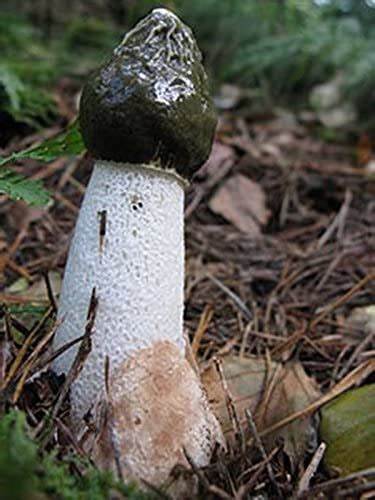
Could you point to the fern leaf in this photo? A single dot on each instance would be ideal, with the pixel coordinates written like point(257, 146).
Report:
point(18, 187)
point(12, 86)
point(68, 143)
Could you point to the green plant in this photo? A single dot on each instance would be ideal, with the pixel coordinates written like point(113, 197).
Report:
point(17, 187)
point(26, 473)
point(279, 49)
point(28, 68)
point(25, 68)
point(67, 143)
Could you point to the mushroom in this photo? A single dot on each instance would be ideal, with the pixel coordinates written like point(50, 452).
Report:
point(147, 118)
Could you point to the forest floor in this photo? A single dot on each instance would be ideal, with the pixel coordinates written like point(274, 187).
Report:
point(280, 254)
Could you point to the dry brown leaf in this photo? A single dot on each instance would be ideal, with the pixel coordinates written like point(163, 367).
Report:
point(22, 214)
point(293, 391)
point(363, 319)
point(245, 378)
point(221, 156)
point(355, 377)
point(242, 202)
point(271, 392)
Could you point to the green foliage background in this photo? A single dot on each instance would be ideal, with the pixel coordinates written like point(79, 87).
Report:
point(279, 49)
point(283, 48)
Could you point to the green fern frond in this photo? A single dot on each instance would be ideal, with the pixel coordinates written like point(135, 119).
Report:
point(67, 143)
point(18, 187)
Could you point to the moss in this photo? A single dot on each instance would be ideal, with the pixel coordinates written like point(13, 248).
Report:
point(151, 101)
point(27, 474)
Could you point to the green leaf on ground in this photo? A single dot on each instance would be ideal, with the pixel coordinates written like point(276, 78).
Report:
point(18, 187)
point(348, 429)
point(67, 143)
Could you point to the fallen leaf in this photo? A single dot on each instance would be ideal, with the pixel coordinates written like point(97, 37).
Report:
point(22, 214)
point(363, 319)
point(292, 392)
point(221, 156)
point(245, 378)
point(271, 392)
point(242, 202)
point(348, 428)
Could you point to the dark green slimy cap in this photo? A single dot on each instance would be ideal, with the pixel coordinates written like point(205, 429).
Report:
point(150, 102)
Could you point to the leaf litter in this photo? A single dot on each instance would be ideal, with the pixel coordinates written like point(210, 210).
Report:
point(242, 202)
point(278, 295)
point(270, 391)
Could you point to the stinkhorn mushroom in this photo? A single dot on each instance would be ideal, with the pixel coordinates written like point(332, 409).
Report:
point(147, 118)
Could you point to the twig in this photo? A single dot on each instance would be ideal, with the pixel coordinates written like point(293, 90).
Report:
point(241, 306)
point(61, 351)
point(258, 441)
point(311, 469)
point(29, 363)
point(204, 321)
point(357, 351)
point(362, 371)
point(83, 352)
point(338, 221)
point(75, 369)
point(202, 478)
point(258, 469)
point(198, 472)
point(335, 483)
point(4, 344)
point(341, 300)
point(357, 490)
point(22, 352)
point(109, 421)
point(238, 431)
point(50, 294)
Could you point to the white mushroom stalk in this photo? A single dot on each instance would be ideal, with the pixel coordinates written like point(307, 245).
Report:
point(147, 118)
point(129, 246)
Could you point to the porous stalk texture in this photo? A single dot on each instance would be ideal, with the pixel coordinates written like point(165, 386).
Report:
point(128, 244)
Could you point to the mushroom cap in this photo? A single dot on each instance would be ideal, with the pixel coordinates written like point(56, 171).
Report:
point(150, 102)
